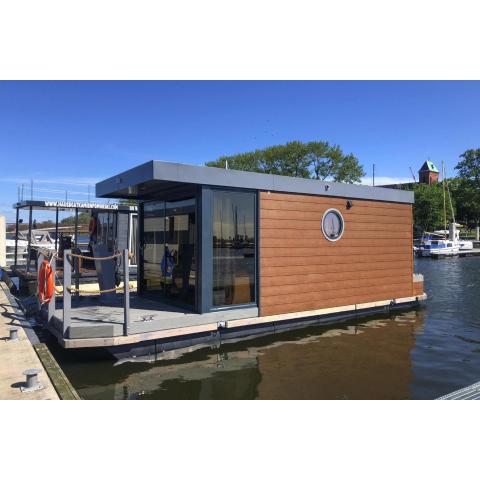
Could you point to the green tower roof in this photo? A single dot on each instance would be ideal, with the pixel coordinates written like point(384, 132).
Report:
point(429, 166)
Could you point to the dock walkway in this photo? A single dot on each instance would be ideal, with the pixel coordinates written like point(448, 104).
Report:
point(468, 393)
point(18, 356)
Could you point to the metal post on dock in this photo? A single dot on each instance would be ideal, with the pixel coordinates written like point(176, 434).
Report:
point(67, 298)
point(51, 304)
point(126, 293)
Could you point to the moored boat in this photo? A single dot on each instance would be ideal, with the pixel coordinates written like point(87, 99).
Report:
point(442, 248)
point(22, 247)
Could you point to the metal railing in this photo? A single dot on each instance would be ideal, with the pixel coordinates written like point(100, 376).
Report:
point(67, 282)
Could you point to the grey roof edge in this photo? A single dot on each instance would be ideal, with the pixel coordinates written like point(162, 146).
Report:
point(135, 175)
point(184, 173)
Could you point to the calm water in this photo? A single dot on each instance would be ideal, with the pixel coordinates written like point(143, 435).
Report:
point(419, 354)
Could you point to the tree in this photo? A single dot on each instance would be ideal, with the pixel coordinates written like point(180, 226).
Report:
point(249, 161)
point(467, 200)
point(428, 207)
point(289, 159)
point(347, 170)
point(323, 159)
point(469, 167)
point(469, 185)
point(317, 160)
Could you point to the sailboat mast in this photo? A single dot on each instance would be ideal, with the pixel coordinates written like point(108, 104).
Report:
point(444, 202)
point(450, 200)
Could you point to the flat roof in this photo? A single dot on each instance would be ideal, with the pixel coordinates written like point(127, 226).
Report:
point(68, 205)
point(155, 175)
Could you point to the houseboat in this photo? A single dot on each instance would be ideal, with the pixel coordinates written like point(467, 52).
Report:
point(225, 253)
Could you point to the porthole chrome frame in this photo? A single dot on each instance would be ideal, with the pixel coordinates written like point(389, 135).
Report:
point(334, 210)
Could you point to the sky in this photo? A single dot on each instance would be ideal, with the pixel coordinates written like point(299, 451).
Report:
point(68, 135)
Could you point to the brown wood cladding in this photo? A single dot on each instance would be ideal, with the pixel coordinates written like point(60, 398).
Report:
point(300, 270)
point(417, 288)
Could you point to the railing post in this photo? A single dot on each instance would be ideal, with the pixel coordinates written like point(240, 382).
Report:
point(126, 293)
point(51, 305)
point(67, 298)
point(38, 260)
point(76, 273)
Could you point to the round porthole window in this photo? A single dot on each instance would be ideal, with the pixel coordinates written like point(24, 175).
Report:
point(332, 225)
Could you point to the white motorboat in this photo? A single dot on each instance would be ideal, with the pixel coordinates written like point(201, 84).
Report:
point(464, 245)
point(443, 247)
point(38, 238)
point(22, 246)
point(42, 239)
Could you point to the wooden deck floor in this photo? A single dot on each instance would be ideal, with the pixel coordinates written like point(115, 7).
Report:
point(90, 318)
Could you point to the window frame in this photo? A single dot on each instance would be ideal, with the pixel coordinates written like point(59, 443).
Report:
point(342, 221)
point(209, 225)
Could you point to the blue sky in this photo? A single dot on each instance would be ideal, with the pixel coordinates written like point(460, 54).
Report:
point(66, 135)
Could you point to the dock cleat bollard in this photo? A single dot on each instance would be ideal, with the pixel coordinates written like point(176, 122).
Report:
point(32, 381)
point(13, 334)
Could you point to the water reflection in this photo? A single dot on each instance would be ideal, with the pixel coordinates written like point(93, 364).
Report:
point(364, 360)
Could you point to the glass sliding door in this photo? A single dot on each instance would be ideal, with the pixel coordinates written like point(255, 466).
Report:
point(179, 263)
point(153, 245)
point(133, 240)
point(233, 248)
point(169, 263)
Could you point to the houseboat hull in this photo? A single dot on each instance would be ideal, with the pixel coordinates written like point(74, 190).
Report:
point(150, 344)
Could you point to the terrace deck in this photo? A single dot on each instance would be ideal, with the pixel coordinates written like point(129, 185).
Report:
point(92, 318)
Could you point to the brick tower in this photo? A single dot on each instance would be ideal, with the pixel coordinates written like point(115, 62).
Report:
point(428, 173)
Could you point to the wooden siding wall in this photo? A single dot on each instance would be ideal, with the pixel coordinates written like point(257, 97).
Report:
point(300, 270)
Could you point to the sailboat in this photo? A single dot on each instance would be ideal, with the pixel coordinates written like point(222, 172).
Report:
point(447, 246)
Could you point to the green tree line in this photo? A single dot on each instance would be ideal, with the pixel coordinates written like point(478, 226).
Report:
point(318, 160)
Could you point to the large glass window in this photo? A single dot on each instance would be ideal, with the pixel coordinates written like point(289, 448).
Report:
point(233, 248)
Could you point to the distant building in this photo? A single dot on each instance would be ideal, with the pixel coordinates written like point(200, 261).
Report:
point(428, 173)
